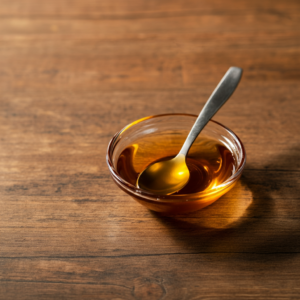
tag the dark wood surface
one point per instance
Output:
(72, 73)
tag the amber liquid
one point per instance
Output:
(210, 163)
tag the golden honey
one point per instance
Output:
(209, 161)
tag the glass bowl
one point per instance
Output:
(173, 127)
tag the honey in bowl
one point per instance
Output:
(209, 161)
(153, 138)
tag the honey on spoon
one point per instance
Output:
(169, 176)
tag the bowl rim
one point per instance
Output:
(132, 189)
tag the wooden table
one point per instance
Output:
(72, 73)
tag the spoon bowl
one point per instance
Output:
(165, 177)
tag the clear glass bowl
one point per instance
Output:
(173, 126)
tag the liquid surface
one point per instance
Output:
(210, 163)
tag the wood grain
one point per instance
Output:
(72, 74)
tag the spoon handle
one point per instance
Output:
(220, 95)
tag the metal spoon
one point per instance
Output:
(168, 177)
